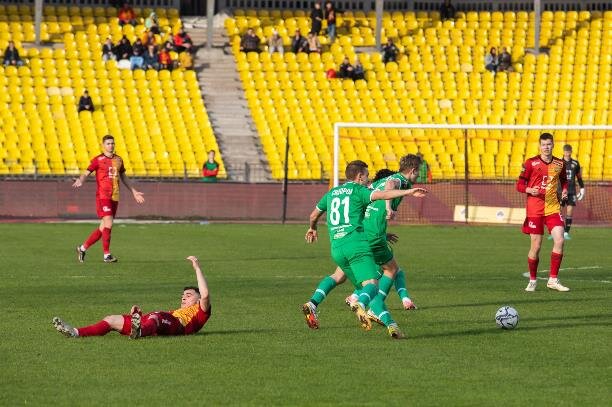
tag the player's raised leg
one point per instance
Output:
(323, 289)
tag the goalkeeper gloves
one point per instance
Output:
(580, 194)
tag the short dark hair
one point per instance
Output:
(355, 168)
(567, 147)
(384, 173)
(409, 162)
(191, 287)
(546, 136)
(107, 137)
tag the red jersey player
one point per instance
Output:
(108, 167)
(190, 318)
(539, 179)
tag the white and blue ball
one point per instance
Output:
(506, 317)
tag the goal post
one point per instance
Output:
(469, 140)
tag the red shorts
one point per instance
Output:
(167, 324)
(535, 225)
(106, 207)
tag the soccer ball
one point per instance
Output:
(506, 317)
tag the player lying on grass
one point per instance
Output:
(190, 318)
(346, 206)
(375, 223)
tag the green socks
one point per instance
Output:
(324, 287)
(367, 294)
(378, 305)
(400, 285)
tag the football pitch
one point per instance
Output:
(256, 348)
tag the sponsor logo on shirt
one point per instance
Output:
(534, 163)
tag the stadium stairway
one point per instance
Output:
(227, 109)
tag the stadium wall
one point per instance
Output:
(56, 199)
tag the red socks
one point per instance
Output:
(93, 238)
(98, 329)
(555, 263)
(106, 237)
(533, 267)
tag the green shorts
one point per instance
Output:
(382, 251)
(356, 260)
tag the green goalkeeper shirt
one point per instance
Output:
(345, 206)
(375, 221)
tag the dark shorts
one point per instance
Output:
(571, 200)
(535, 225)
(167, 324)
(106, 207)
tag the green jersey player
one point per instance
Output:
(346, 206)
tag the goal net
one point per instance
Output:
(472, 169)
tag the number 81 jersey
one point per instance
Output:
(345, 206)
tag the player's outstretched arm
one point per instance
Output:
(311, 234)
(391, 184)
(138, 196)
(78, 182)
(416, 192)
(202, 284)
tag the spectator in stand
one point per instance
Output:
(505, 61)
(492, 60)
(150, 59)
(124, 49)
(346, 70)
(250, 42)
(126, 15)
(316, 17)
(313, 43)
(359, 72)
(138, 50)
(390, 51)
(447, 10)
(165, 60)
(186, 60)
(148, 38)
(85, 103)
(424, 171)
(299, 43)
(210, 169)
(138, 47)
(182, 41)
(275, 43)
(152, 23)
(330, 16)
(108, 53)
(11, 55)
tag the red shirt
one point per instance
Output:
(192, 318)
(537, 173)
(107, 175)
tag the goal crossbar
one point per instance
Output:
(420, 126)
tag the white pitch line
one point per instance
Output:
(573, 279)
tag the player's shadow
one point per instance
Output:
(514, 302)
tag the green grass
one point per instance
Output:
(256, 349)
